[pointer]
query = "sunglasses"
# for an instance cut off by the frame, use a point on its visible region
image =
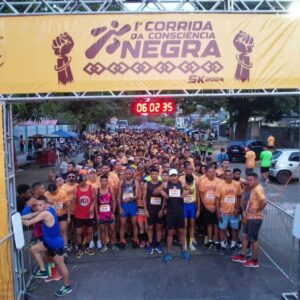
(71, 177)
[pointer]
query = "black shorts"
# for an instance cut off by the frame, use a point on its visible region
(264, 169)
(154, 219)
(208, 217)
(175, 222)
(83, 222)
(63, 218)
(252, 229)
(202, 152)
(52, 252)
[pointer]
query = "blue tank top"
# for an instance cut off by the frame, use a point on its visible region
(52, 236)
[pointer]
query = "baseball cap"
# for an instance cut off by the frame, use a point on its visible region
(92, 170)
(80, 178)
(131, 158)
(173, 172)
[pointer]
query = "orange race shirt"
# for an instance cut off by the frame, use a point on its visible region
(219, 172)
(58, 201)
(228, 193)
(95, 184)
(208, 190)
(257, 195)
(70, 190)
(250, 159)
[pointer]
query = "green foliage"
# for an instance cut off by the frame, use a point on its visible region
(170, 122)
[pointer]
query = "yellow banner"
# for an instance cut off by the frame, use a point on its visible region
(114, 52)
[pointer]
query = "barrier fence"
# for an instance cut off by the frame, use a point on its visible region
(278, 243)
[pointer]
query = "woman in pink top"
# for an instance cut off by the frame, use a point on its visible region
(106, 207)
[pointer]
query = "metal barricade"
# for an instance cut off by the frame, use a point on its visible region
(278, 243)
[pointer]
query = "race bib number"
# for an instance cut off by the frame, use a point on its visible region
(141, 211)
(210, 197)
(104, 208)
(229, 200)
(155, 201)
(127, 197)
(189, 199)
(174, 193)
(58, 206)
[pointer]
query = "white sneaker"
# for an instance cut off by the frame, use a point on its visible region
(92, 244)
(99, 244)
(192, 247)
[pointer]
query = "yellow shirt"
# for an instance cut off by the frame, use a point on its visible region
(250, 159)
(228, 193)
(257, 195)
(271, 141)
(95, 184)
(70, 191)
(58, 201)
(208, 190)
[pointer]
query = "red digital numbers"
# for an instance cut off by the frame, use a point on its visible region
(154, 106)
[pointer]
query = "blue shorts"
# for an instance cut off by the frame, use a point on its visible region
(232, 220)
(130, 209)
(190, 210)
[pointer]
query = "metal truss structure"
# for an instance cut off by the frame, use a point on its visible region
(38, 7)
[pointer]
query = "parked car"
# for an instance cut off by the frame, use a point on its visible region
(284, 164)
(236, 150)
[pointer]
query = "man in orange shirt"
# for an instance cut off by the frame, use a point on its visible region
(228, 196)
(253, 217)
(271, 142)
(208, 186)
(220, 171)
(250, 160)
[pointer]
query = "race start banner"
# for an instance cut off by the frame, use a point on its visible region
(115, 52)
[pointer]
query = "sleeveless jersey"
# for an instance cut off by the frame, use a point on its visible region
(105, 205)
(84, 201)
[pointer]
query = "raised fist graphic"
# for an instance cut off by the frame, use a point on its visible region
(62, 45)
(244, 44)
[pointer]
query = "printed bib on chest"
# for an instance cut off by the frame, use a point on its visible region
(104, 208)
(189, 199)
(155, 201)
(229, 200)
(174, 193)
(210, 197)
(127, 196)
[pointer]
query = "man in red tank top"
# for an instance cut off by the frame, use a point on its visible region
(85, 197)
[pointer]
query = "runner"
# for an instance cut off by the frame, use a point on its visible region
(228, 196)
(208, 187)
(154, 208)
(221, 171)
(253, 221)
(106, 208)
(250, 160)
(58, 199)
(52, 243)
(85, 196)
(271, 142)
(266, 158)
(174, 193)
(129, 191)
(191, 203)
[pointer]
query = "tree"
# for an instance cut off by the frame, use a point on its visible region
(241, 109)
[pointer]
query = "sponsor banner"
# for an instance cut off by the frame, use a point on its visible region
(113, 52)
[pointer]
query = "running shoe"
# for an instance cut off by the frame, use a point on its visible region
(122, 246)
(99, 244)
(192, 247)
(223, 250)
(79, 253)
(251, 264)
(114, 247)
(142, 244)
(249, 253)
(40, 274)
(239, 258)
(104, 249)
(53, 278)
(217, 246)
(135, 245)
(159, 249)
(232, 249)
(64, 290)
(185, 255)
(150, 250)
(209, 244)
(92, 244)
(89, 252)
(167, 257)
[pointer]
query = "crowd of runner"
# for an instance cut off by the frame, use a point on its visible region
(144, 189)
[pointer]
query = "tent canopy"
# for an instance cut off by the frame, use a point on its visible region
(64, 134)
